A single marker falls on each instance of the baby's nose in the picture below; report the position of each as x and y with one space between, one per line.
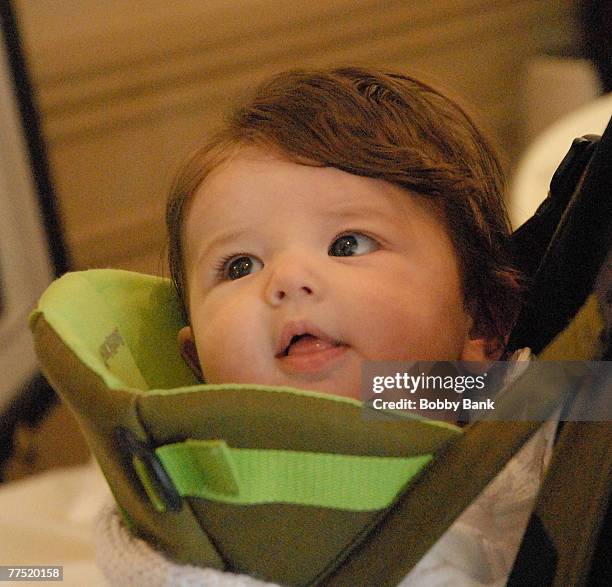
281 293
289 281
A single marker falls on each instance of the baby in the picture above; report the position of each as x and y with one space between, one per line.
340 216
343 216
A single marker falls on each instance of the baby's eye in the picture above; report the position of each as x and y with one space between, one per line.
350 244
239 266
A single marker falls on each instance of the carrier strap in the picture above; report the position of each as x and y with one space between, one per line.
212 470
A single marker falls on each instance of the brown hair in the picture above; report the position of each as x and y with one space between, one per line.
387 126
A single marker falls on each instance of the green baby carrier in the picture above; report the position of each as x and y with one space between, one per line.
299 488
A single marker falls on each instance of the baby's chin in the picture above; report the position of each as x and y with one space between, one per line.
338 382
349 387
325 386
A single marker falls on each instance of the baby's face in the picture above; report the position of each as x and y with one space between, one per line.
297 274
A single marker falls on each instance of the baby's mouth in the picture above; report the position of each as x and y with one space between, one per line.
305 344
300 338
306 351
307 354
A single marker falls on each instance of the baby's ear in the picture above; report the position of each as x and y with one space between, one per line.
188 350
482 347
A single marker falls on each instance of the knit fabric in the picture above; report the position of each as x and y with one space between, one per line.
127 561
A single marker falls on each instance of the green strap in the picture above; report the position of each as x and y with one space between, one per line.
214 471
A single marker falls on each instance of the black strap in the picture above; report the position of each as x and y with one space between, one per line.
577 248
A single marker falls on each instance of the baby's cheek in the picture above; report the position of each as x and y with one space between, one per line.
218 355
212 359
226 348
406 320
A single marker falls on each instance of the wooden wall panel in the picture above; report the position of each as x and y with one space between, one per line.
126 89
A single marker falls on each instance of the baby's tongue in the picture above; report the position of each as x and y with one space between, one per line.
308 344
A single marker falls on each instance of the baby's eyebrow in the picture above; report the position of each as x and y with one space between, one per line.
361 212
220 241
